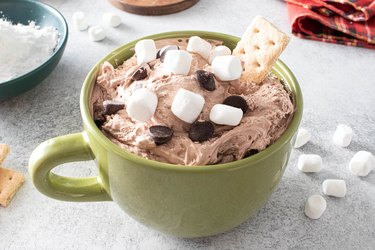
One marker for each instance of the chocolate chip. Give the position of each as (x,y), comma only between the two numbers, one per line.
(140,74)
(237,102)
(205,79)
(161,53)
(161,134)
(111,107)
(250,153)
(99,123)
(201,131)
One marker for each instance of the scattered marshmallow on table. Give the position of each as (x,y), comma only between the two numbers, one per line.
(362,163)
(187,105)
(145,51)
(79,20)
(227,68)
(111,19)
(142,104)
(315,206)
(219,51)
(334,187)
(303,136)
(199,46)
(226,115)
(343,135)
(96,33)
(310,163)
(177,62)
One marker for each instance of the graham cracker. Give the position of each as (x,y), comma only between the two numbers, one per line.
(260,46)
(4,151)
(10,182)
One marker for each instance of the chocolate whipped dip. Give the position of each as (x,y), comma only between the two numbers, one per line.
(269,114)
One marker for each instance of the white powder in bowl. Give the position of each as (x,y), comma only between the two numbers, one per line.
(24,47)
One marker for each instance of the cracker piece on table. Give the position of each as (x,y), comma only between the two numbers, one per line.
(10,182)
(260,46)
(4,151)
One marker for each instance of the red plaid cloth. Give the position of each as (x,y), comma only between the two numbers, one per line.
(348,22)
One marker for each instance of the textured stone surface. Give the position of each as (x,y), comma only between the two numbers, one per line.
(338,87)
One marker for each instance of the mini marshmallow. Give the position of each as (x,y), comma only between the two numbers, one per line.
(226,115)
(315,206)
(343,135)
(141,105)
(187,105)
(145,51)
(227,68)
(362,163)
(177,62)
(199,46)
(303,136)
(96,33)
(309,163)
(219,51)
(333,187)
(111,19)
(79,20)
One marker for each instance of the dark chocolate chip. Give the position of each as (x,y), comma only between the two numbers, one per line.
(161,134)
(99,123)
(237,102)
(140,74)
(250,153)
(201,131)
(205,79)
(161,53)
(111,107)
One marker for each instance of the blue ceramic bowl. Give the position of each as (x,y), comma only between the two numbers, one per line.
(24,11)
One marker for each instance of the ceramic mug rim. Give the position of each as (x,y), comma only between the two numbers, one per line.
(91,127)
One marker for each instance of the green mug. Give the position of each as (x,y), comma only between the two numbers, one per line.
(184,201)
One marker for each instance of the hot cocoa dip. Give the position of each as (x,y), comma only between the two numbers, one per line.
(268,114)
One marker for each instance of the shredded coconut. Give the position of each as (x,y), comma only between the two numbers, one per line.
(24,47)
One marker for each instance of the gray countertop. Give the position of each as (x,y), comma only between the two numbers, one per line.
(338,83)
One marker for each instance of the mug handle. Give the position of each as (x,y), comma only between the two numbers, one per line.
(59,150)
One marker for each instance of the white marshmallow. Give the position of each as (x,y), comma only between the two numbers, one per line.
(219,51)
(362,163)
(333,187)
(145,51)
(200,46)
(226,115)
(303,136)
(309,163)
(227,68)
(187,105)
(141,105)
(343,135)
(111,19)
(177,62)
(96,33)
(315,206)
(79,20)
